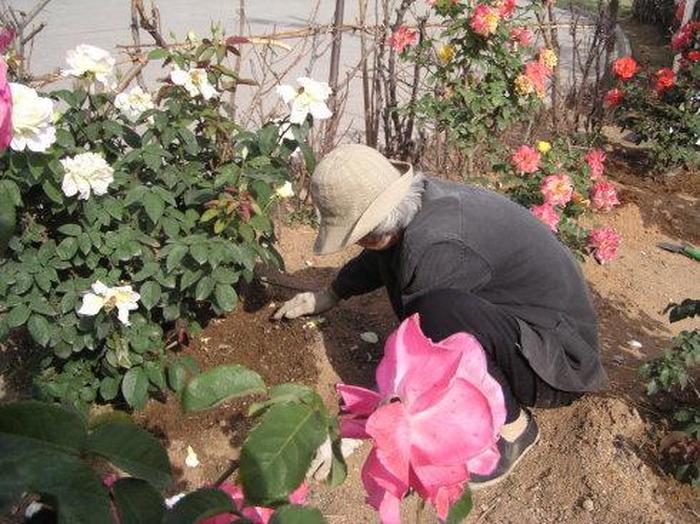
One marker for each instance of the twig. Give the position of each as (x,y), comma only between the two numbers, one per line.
(226,474)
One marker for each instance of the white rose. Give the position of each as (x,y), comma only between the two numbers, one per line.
(88,61)
(310,98)
(195,81)
(32,120)
(124,298)
(285,190)
(86,173)
(134,103)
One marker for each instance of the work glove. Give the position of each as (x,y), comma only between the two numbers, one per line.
(321,464)
(309,303)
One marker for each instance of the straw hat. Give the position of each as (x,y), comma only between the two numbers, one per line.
(354,188)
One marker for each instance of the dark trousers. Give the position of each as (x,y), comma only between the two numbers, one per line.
(447,311)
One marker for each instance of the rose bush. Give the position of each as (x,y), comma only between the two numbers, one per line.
(483,71)
(560,186)
(135,215)
(662,107)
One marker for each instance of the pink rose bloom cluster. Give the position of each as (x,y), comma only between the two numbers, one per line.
(526,159)
(402,38)
(255,514)
(435,419)
(604,243)
(521,36)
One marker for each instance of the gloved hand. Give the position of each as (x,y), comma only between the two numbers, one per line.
(321,464)
(309,303)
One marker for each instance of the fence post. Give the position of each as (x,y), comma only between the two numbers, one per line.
(333,75)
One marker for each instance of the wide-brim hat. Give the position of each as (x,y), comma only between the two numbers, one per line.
(354,188)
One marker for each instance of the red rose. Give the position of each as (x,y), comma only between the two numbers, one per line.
(613,98)
(693,56)
(625,67)
(665,79)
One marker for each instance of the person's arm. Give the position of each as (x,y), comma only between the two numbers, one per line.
(359,276)
(446,265)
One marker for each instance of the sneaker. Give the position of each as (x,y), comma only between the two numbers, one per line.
(512,451)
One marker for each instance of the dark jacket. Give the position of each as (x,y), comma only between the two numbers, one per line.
(478,241)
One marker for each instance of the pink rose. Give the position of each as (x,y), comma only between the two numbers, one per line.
(484,20)
(403,37)
(436,418)
(557,189)
(526,159)
(595,159)
(5,108)
(604,243)
(604,196)
(256,514)
(546,214)
(521,36)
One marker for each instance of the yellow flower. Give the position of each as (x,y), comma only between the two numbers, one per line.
(548,58)
(544,147)
(523,85)
(446,53)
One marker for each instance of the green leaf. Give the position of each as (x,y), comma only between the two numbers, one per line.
(150,294)
(155,373)
(199,505)
(189,141)
(135,387)
(17,316)
(72,230)
(339,469)
(177,376)
(460,509)
(220,384)
(28,466)
(52,192)
(132,449)
(8,219)
(177,253)
(158,54)
(137,502)
(149,269)
(40,329)
(43,422)
(226,297)
(67,248)
(190,277)
(204,288)
(109,387)
(278,452)
(154,206)
(296,514)
(199,253)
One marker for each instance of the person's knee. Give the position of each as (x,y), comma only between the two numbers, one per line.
(438,311)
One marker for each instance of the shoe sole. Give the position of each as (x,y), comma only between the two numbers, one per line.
(489,483)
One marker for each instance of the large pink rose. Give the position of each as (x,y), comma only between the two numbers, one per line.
(526,159)
(604,243)
(436,418)
(546,214)
(5,108)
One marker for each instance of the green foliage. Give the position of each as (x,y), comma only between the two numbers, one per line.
(669,121)
(198,505)
(473,78)
(460,509)
(184,220)
(671,370)
(45,449)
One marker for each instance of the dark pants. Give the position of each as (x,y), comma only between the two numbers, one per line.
(448,311)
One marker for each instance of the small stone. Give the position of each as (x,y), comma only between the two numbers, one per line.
(618,359)
(587,504)
(191,461)
(308,263)
(370,337)
(635,344)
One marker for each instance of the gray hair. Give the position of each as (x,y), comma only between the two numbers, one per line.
(399,217)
